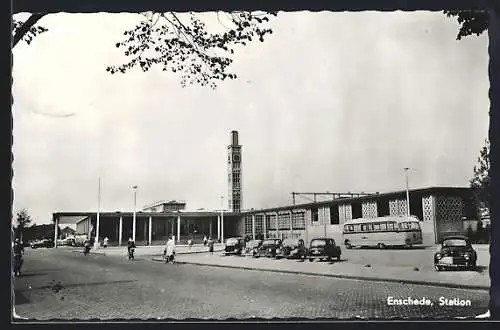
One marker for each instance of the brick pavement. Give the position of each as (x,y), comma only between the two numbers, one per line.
(345,269)
(64,285)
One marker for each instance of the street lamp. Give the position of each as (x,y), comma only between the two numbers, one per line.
(407,192)
(96,240)
(134,187)
(222,219)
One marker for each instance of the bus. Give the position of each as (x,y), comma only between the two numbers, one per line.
(382,232)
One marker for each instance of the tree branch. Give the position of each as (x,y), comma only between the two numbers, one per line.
(23,29)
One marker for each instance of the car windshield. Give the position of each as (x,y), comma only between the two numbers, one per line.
(232,241)
(252,244)
(318,243)
(268,242)
(454,242)
(291,242)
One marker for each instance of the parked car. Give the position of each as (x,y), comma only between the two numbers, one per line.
(252,246)
(292,248)
(455,252)
(268,248)
(47,243)
(234,245)
(324,248)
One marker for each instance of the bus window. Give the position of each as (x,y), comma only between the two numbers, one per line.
(390,226)
(364,228)
(414,225)
(376,226)
(369,227)
(383,226)
(404,225)
(357,228)
(351,228)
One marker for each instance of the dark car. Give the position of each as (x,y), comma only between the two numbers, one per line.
(292,248)
(44,243)
(268,248)
(324,248)
(234,245)
(455,252)
(252,246)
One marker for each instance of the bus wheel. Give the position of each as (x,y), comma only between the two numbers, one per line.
(381,245)
(348,245)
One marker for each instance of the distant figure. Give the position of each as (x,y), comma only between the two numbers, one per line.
(105,242)
(18,251)
(190,243)
(169,251)
(211,246)
(86,246)
(205,240)
(131,248)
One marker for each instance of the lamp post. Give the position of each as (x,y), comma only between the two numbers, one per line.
(222,219)
(96,241)
(407,192)
(134,187)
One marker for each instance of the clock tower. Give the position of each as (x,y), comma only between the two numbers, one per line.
(234,173)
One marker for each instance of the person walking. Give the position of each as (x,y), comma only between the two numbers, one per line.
(170,250)
(18,251)
(131,248)
(205,240)
(105,242)
(211,246)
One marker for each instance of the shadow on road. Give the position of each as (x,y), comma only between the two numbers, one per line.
(75,285)
(32,274)
(19,298)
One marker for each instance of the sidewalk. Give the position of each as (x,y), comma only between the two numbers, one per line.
(154,250)
(345,269)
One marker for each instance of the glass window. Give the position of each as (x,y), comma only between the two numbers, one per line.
(383,226)
(455,242)
(404,225)
(357,228)
(318,242)
(369,227)
(376,226)
(364,228)
(390,226)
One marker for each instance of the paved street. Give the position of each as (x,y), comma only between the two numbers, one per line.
(66,285)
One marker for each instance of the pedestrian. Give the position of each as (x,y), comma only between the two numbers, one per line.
(18,251)
(169,251)
(105,242)
(211,246)
(130,248)
(190,243)
(205,240)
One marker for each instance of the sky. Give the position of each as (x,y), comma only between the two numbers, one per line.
(329,102)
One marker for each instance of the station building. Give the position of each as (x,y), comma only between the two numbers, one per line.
(442,211)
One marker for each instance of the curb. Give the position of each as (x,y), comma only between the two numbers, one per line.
(349,277)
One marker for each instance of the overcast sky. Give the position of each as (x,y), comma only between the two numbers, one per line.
(330,101)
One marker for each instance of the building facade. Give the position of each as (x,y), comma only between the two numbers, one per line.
(441,211)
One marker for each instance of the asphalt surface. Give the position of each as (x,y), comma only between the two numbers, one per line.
(59,284)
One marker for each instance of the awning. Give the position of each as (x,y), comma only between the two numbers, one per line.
(70,219)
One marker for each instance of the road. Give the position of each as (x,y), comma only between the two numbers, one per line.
(60,284)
